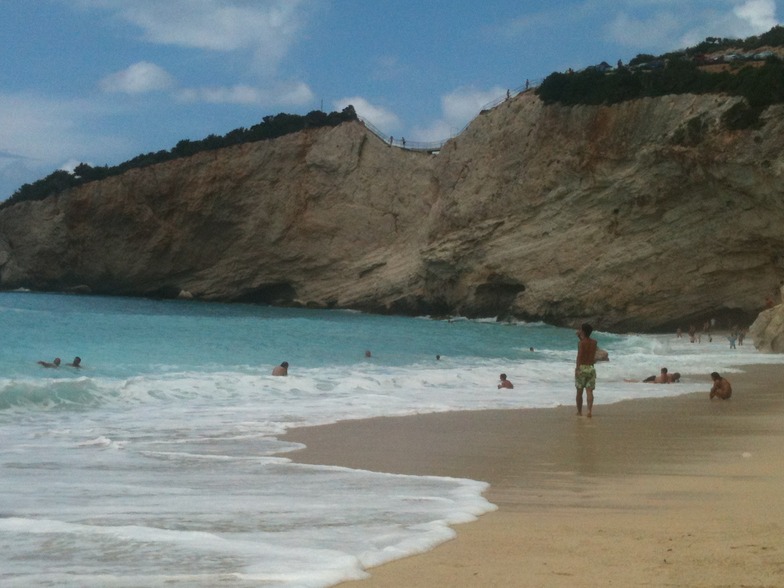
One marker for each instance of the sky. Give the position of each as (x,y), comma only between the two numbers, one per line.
(102,81)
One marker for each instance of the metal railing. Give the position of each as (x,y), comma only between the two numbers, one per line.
(435,146)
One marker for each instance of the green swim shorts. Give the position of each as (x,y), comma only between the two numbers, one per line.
(585,377)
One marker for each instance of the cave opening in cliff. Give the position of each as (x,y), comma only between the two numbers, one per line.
(279,293)
(494,299)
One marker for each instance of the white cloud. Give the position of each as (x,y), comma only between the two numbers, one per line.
(659,25)
(38,135)
(759,14)
(380,117)
(458,108)
(71,165)
(296,93)
(743,19)
(643,25)
(138,78)
(37,128)
(266,28)
(464,104)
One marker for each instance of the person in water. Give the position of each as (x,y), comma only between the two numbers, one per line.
(504,382)
(281,370)
(50,364)
(664,377)
(76,363)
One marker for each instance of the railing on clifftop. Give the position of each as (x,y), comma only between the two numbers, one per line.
(435,146)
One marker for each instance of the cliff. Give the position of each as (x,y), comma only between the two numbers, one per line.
(644,215)
(767,331)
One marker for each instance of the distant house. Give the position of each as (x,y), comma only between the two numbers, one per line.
(655,64)
(603,67)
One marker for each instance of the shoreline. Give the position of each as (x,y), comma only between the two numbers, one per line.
(680,491)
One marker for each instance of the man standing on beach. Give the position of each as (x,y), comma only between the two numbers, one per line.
(721,387)
(584,372)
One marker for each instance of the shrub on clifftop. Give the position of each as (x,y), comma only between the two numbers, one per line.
(270,127)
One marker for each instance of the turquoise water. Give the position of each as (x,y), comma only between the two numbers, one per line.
(158,463)
(114,335)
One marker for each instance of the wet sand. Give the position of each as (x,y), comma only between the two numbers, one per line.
(659,492)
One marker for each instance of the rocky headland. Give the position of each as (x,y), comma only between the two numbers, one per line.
(767,331)
(646,215)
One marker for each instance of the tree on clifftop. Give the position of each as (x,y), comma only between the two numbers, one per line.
(271,127)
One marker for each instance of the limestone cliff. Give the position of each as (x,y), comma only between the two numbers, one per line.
(768,330)
(645,215)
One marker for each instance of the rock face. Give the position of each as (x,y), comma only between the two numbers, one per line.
(768,330)
(646,215)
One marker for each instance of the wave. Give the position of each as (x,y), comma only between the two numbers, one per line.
(383,385)
(80,393)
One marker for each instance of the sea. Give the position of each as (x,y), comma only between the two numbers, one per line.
(159,463)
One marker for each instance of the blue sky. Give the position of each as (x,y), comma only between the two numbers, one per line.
(101,81)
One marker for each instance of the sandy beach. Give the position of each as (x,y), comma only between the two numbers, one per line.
(659,492)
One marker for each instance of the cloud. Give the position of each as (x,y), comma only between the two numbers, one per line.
(458,108)
(655,24)
(259,33)
(296,93)
(643,25)
(138,78)
(38,135)
(464,104)
(266,28)
(72,164)
(745,18)
(37,128)
(378,116)
(759,14)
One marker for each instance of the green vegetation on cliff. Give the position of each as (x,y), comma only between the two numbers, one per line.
(270,127)
(761,86)
(708,68)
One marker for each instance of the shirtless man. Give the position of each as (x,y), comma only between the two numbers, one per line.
(584,372)
(76,363)
(663,378)
(281,370)
(721,387)
(504,382)
(50,364)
